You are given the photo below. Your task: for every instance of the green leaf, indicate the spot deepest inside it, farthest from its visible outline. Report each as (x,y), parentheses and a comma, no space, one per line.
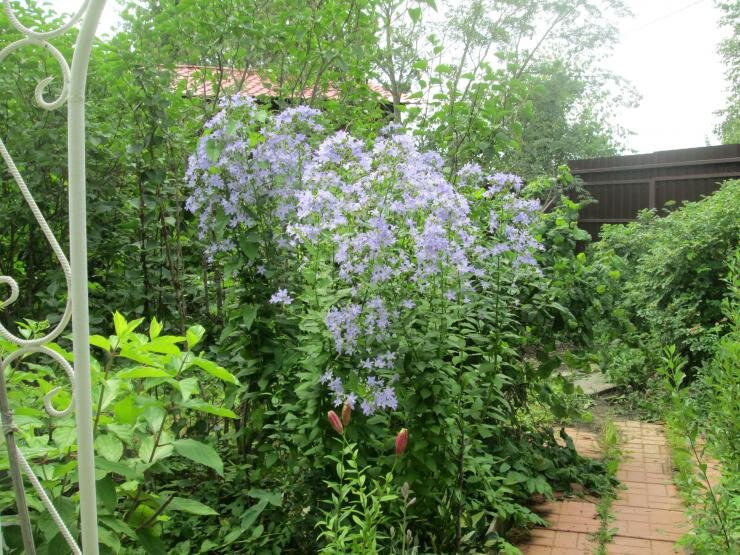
(202,406)
(109,447)
(187,387)
(248,315)
(113,523)
(127,470)
(194,335)
(274,498)
(64,437)
(100,341)
(164,345)
(155,328)
(251,514)
(415,14)
(190,506)
(148,453)
(119,323)
(215,370)
(213,150)
(200,453)
(142,372)
(105,490)
(152,544)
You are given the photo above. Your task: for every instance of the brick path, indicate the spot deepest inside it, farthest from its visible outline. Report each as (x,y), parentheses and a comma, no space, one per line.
(648,514)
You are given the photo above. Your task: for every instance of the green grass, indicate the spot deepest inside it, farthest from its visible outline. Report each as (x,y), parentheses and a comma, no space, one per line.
(610,441)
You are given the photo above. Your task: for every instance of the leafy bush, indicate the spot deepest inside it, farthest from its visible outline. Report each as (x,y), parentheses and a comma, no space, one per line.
(359,273)
(154,396)
(671,274)
(706,425)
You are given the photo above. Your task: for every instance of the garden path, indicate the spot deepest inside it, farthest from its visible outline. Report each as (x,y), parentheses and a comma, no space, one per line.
(648,514)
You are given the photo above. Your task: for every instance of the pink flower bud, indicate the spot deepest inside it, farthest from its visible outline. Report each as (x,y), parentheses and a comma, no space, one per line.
(402,440)
(346,414)
(335,422)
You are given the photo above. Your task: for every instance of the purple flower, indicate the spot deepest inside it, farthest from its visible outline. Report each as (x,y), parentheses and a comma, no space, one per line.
(281,297)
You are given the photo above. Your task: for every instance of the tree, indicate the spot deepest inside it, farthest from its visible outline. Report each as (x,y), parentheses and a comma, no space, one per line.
(729,128)
(571,118)
(475,86)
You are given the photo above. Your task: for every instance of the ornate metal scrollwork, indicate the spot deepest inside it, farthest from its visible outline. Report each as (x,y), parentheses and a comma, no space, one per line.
(75,273)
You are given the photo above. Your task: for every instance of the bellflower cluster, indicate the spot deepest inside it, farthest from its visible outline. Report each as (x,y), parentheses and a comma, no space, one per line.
(372,393)
(383,218)
(247,168)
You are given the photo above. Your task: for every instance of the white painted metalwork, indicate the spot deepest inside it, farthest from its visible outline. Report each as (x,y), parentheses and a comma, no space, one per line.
(75,273)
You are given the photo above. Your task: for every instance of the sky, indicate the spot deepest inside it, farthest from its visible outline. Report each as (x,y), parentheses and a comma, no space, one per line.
(668,51)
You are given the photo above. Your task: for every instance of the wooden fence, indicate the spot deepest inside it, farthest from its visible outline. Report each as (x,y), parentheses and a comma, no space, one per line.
(624,185)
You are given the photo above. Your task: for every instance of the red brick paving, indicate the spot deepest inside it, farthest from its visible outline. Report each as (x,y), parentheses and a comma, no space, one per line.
(648,514)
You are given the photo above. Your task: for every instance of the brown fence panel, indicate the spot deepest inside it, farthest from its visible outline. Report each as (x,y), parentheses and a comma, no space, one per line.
(624,185)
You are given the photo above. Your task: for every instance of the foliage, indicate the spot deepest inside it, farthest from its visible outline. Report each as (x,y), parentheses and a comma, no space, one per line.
(391,290)
(712,505)
(672,272)
(156,403)
(610,443)
(571,117)
(475,80)
(356,521)
(332,260)
(704,426)
(729,49)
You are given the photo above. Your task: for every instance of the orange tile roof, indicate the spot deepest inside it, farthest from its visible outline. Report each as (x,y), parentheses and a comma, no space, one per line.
(198,82)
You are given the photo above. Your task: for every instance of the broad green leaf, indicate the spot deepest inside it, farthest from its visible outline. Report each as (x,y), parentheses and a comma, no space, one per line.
(194,335)
(187,387)
(150,542)
(164,345)
(147,452)
(202,406)
(200,453)
(215,370)
(106,537)
(105,490)
(64,437)
(117,525)
(119,323)
(109,447)
(251,514)
(123,431)
(127,470)
(274,498)
(100,341)
(190,506)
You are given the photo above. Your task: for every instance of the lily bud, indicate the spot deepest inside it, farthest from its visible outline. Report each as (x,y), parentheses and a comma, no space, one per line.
(402,440)
(346,414)
(335,422)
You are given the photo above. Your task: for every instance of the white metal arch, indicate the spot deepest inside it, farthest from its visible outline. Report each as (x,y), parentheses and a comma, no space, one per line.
(75,271)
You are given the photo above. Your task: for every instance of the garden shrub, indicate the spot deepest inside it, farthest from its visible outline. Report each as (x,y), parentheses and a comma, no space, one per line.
(672,272)
(702,425)
(156,403)
(359,273)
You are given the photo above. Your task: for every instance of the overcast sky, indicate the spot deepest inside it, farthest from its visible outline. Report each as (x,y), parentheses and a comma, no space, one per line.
(669,53)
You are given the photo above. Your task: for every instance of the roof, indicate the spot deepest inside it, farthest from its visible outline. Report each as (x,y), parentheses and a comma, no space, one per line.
(251,83)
